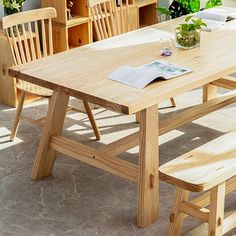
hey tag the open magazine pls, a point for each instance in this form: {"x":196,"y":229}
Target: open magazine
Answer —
{"x":141,"y":76}
{"x":215,"y":17}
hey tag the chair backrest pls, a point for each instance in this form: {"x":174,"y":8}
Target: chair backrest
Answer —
{"x":23,"y":31}
{"x":110,"y":20}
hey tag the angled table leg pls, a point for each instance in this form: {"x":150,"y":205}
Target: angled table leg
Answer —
{"x":45,"y":156}
{"x":148,"y":183}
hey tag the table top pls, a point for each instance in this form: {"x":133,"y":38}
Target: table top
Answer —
{"x":82,"y":72}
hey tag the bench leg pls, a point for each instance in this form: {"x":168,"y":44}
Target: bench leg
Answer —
{"x":216,"y":216}
{"x":177,"y":217}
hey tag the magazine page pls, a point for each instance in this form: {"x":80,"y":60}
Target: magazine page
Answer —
{"x":141,"y":76}
{"x":137,"y":77}
{"x":167,"y":70}
{"x":230,"y":12}
{"x":213,"y":20}
{"x":207,"y":15}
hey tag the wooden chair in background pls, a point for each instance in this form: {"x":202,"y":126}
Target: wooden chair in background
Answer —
{"x":23,"y":31}
{"x":110,"y":20}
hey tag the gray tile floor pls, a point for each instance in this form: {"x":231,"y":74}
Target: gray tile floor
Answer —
{"x":81,"y":200}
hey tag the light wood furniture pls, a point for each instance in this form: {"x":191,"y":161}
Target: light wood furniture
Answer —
{"x":208,"y":167}
{"x":8,"y":93}
{"x":26,"y":47}
{"x":79,"y":67}
{"x":108,"y":19}
{"x":79,"y":30}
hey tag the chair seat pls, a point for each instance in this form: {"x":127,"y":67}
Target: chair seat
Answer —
{"x":205,"y":167}
{"x":34,"y":89}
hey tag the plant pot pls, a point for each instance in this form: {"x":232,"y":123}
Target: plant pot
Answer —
{"x":188,"y":39}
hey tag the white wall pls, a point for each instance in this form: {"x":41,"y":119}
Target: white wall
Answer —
{"x":29,"y":4}
{"x":164,"y":3}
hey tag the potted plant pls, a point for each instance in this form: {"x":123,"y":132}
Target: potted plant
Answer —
{"x":183,"y":7}
{"x":188,"y":34}
{"x":12,"y":6}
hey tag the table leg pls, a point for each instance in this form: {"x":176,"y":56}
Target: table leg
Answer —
{"x":148,"y":185}
{"x":209,"y":92}
{"x":45,"y":156}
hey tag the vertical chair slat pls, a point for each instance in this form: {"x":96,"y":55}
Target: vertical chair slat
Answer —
{"x":95,"y":23}
{"x":22,"y":53}
{"x":122,"y":18}
{"x":118,"y":25}
{"x":11,"y":47}
{"x":127,"y":23}
{"x":38,"y":47}
{"x":50,"y":37}
{"x":107,"y":20}
{"x":113,"y":27}
{"x":18,"y":59}
{"x":44,"y":40}
{"x":31,"y":39}
{"x":26,"y":45}
{"x":102,"y":21}
{"x":99,"y":23}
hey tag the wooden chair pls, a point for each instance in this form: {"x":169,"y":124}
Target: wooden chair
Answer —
{"x":110,"y":20}
{"x":210,"y":167}
{"x":23,"y":33}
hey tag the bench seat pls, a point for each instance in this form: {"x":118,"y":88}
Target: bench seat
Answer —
{"x":210,"y":167}
{"x":205,"y":167}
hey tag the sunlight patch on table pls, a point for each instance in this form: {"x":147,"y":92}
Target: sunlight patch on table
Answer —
{"x":149,"y":35}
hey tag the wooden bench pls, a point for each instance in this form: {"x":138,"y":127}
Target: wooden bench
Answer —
{"x":210,"y":167}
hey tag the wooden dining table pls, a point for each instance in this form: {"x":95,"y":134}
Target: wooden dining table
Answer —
{"x":82,"y":73}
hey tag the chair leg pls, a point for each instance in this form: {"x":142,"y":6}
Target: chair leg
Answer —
{"x":216,"y":216}
{"x":173,"y":103}
{"x":92,"y":120}
{"x":137,"y":117}
{"x":17,"y":116}
{"x":177,"y":217}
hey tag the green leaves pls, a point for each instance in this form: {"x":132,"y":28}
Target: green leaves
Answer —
{"x":198,"y":23}
{"x":193,"y":25}
{"x":12,"y":4}
{"x":182,"y":7}
{"x":163,"y":10}
{"x":213,"y":3}
{"x":188,"y":18}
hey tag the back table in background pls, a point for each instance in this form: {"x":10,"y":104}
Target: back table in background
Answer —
{"x":82,"y":73}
